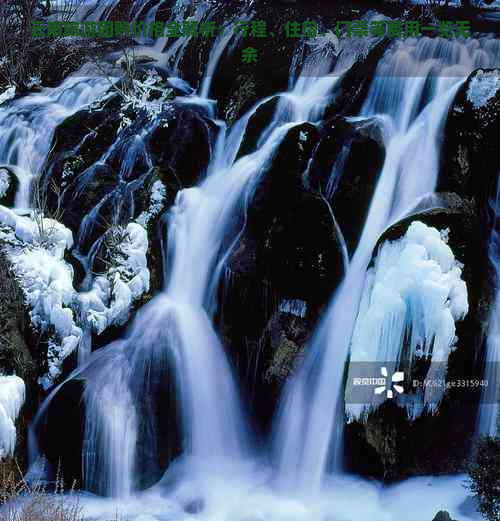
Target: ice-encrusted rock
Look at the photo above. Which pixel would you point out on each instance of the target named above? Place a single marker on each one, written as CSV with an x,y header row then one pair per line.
x,y
12,395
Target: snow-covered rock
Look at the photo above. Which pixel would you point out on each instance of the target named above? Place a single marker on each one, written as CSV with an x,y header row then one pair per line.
x,y
7,94
483,87
112,295
413,295
36,246
156,203
12,394
36,250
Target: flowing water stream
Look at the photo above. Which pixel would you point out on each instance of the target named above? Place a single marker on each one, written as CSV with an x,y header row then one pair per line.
x,y
310,426
173,337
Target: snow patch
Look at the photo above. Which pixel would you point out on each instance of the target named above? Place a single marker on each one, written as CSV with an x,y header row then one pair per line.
x,y
7,94
12,395
412,298
111,297
36,249
156,205
4,182
483,87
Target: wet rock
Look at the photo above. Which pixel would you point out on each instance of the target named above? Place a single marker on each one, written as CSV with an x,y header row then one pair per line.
x,y
289,249
469,157
159,411
237,85
291,226
63,444
351,91
346,168
282,350
257,124
183,148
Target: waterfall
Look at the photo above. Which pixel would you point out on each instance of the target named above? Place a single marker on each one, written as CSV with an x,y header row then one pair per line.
x,y
174,331
171,349
27,125
489,409
309,430
215,54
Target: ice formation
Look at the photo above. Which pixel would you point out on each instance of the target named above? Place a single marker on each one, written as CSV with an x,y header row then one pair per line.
x,y
296,307
157,201
7,94
483,87
36,247
12,393
412,298
4,182
111,297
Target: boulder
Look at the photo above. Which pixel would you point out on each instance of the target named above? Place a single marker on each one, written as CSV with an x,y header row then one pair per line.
x,y
289,250
346,167
257,124
469,157
440,442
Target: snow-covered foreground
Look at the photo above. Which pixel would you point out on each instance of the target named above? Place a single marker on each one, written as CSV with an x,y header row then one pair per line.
x,y
248,495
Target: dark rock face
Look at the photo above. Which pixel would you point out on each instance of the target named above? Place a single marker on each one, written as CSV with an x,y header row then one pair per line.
x,y
62,444
289,249
442,515
469,158
439,443
16,356
346,167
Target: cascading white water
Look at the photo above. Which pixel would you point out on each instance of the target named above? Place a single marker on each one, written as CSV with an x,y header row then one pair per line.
x,y
310,424
175,330
489,410
215,54
27,126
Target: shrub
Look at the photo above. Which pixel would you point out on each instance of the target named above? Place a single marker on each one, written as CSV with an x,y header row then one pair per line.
x,y
484,473
21,501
